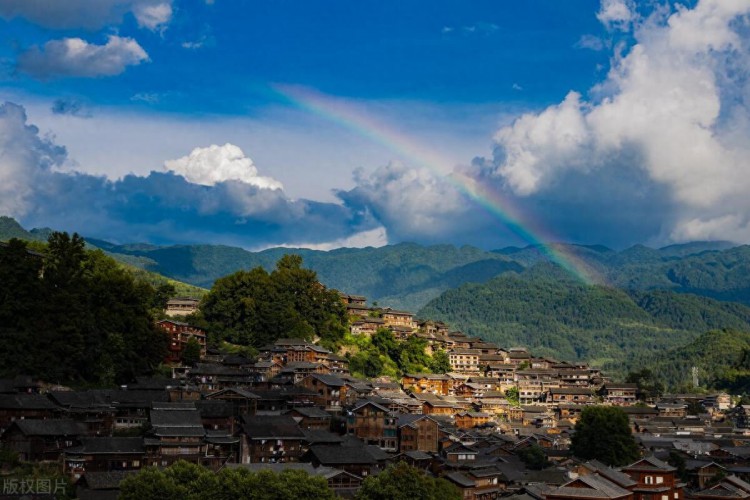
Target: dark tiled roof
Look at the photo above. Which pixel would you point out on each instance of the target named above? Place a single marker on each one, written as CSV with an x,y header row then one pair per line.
x,y
342,455
649,463
101,445
215,409
176,418
460,479
317,436
599,488
234,390
179,431
267,427
50,427
311,412
25,402
330,380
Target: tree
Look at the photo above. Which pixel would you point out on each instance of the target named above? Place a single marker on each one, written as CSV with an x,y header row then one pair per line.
x,y
367,363
386,343
404,482
162,294
603,433
513,396
649,387
71,315
256,307
183,480
440,362
191,354
534,457
677,461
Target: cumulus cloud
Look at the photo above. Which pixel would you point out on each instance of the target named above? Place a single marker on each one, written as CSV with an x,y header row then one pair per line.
x,y
74,57
214,164
154,16
161,207
673,111
21,147
617,14
88,14
416,204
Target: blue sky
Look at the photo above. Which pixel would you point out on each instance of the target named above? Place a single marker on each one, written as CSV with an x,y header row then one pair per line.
x,y
162,120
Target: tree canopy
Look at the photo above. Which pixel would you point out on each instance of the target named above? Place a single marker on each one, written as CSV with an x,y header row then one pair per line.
x,y
187,481
603,433
404,482
256,307
72,315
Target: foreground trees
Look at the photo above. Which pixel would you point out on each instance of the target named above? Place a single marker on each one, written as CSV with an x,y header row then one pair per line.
x,y
74,316
603,433
256,307
187,481
404,482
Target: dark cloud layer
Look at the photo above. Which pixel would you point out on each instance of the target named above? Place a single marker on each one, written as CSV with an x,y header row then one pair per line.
x,y
159,208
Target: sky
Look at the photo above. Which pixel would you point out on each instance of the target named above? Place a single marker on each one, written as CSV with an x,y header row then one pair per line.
x,y
335,123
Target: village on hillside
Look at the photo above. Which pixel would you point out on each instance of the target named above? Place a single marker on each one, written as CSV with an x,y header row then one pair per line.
x,y
497,425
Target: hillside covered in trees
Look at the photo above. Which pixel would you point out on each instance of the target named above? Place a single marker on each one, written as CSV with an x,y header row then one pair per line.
x,y
255,307
70,315
570,320
408,275
718,359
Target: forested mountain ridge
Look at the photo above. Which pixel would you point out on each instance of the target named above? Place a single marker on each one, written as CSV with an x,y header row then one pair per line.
x,y
718,359
138,267
405,276
408,275
563,318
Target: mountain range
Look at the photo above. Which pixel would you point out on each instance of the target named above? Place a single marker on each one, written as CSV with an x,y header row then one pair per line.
x,y
651,301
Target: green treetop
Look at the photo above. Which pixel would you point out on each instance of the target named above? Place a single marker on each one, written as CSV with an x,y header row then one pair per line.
x,y
603,433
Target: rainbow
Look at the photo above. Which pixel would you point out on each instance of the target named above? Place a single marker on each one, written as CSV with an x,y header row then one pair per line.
x,y
353,118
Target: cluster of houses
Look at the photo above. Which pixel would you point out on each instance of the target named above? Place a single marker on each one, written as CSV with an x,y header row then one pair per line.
x,y
297,406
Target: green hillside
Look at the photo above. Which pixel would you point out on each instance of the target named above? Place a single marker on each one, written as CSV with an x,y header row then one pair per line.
x,y
405,275
136,266
562,318
9,228
721,359
408,275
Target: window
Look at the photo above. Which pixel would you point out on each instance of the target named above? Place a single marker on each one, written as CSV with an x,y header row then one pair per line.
x,y
648,480
660,480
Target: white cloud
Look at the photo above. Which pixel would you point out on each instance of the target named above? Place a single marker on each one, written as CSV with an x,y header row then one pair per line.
x,y
414,204
74,57
674,105
88,14
152,16
537,144
591,42
377,238
24,157
617,14
214,164
157,207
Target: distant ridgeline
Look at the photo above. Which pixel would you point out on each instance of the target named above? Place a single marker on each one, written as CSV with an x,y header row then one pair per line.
x,y
657,302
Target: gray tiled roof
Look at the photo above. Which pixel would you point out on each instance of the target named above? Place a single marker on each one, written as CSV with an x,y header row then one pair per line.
x,y
50,427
